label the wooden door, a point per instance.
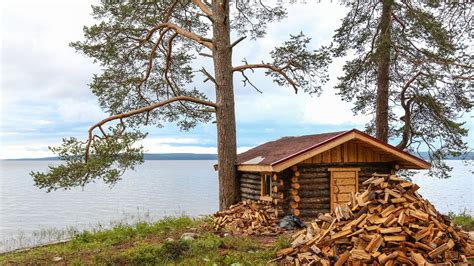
(344, 181)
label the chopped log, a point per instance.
(295, 198)
(295, 186)
(248, 217)
(418, 258)
(294, 204)
(390, 230)
(343, 258)
(360, 254)
(394, 238)
(419, 214)
(285, 251)
(275, 177)
(374, 244)
(441, 249)
(296, 212)
(386, 258)
(341, 234)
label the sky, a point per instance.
(45, 95)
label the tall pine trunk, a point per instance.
(383, 76)
(225, 113)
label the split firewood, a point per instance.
(248, 218)
(388, 224)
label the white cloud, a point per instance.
(165, 148)
(27, 150)
(70, 110)
(330, 110)
(44, 94)
(37, 63)
(280, 104)
(169, 140)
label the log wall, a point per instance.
(250, 185)
(313, 193)
(304, 189)
(314, 190)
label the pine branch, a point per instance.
(140, 111)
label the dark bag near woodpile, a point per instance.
(248, 218)
(291, 222)
(388, 224)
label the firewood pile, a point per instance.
(248, 218)
(387, 224)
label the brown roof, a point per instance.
(274, 151)
(279, 151)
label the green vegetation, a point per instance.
(463, 219)
(154, 243)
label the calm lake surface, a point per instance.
(155, 189)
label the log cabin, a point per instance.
(308, 175)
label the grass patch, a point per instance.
(463, 219)
(153, 243)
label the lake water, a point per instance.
(155, 189)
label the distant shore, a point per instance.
(211, 156)
(147, 156)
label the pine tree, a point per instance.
(410, 66)
(146, 51)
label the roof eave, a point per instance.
(255, 168)
(411, 161)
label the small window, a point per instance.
(266, 185)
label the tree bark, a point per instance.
(225, 113)
(383, 75)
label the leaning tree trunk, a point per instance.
(383, 57)
(225, 113)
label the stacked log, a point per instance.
(366, 172)
(387, 224)
(278, 188)
(314, 190)
(248, 218)
(294, 192)
(250, 185)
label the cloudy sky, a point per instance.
(45, 96)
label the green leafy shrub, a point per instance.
(463, 219)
